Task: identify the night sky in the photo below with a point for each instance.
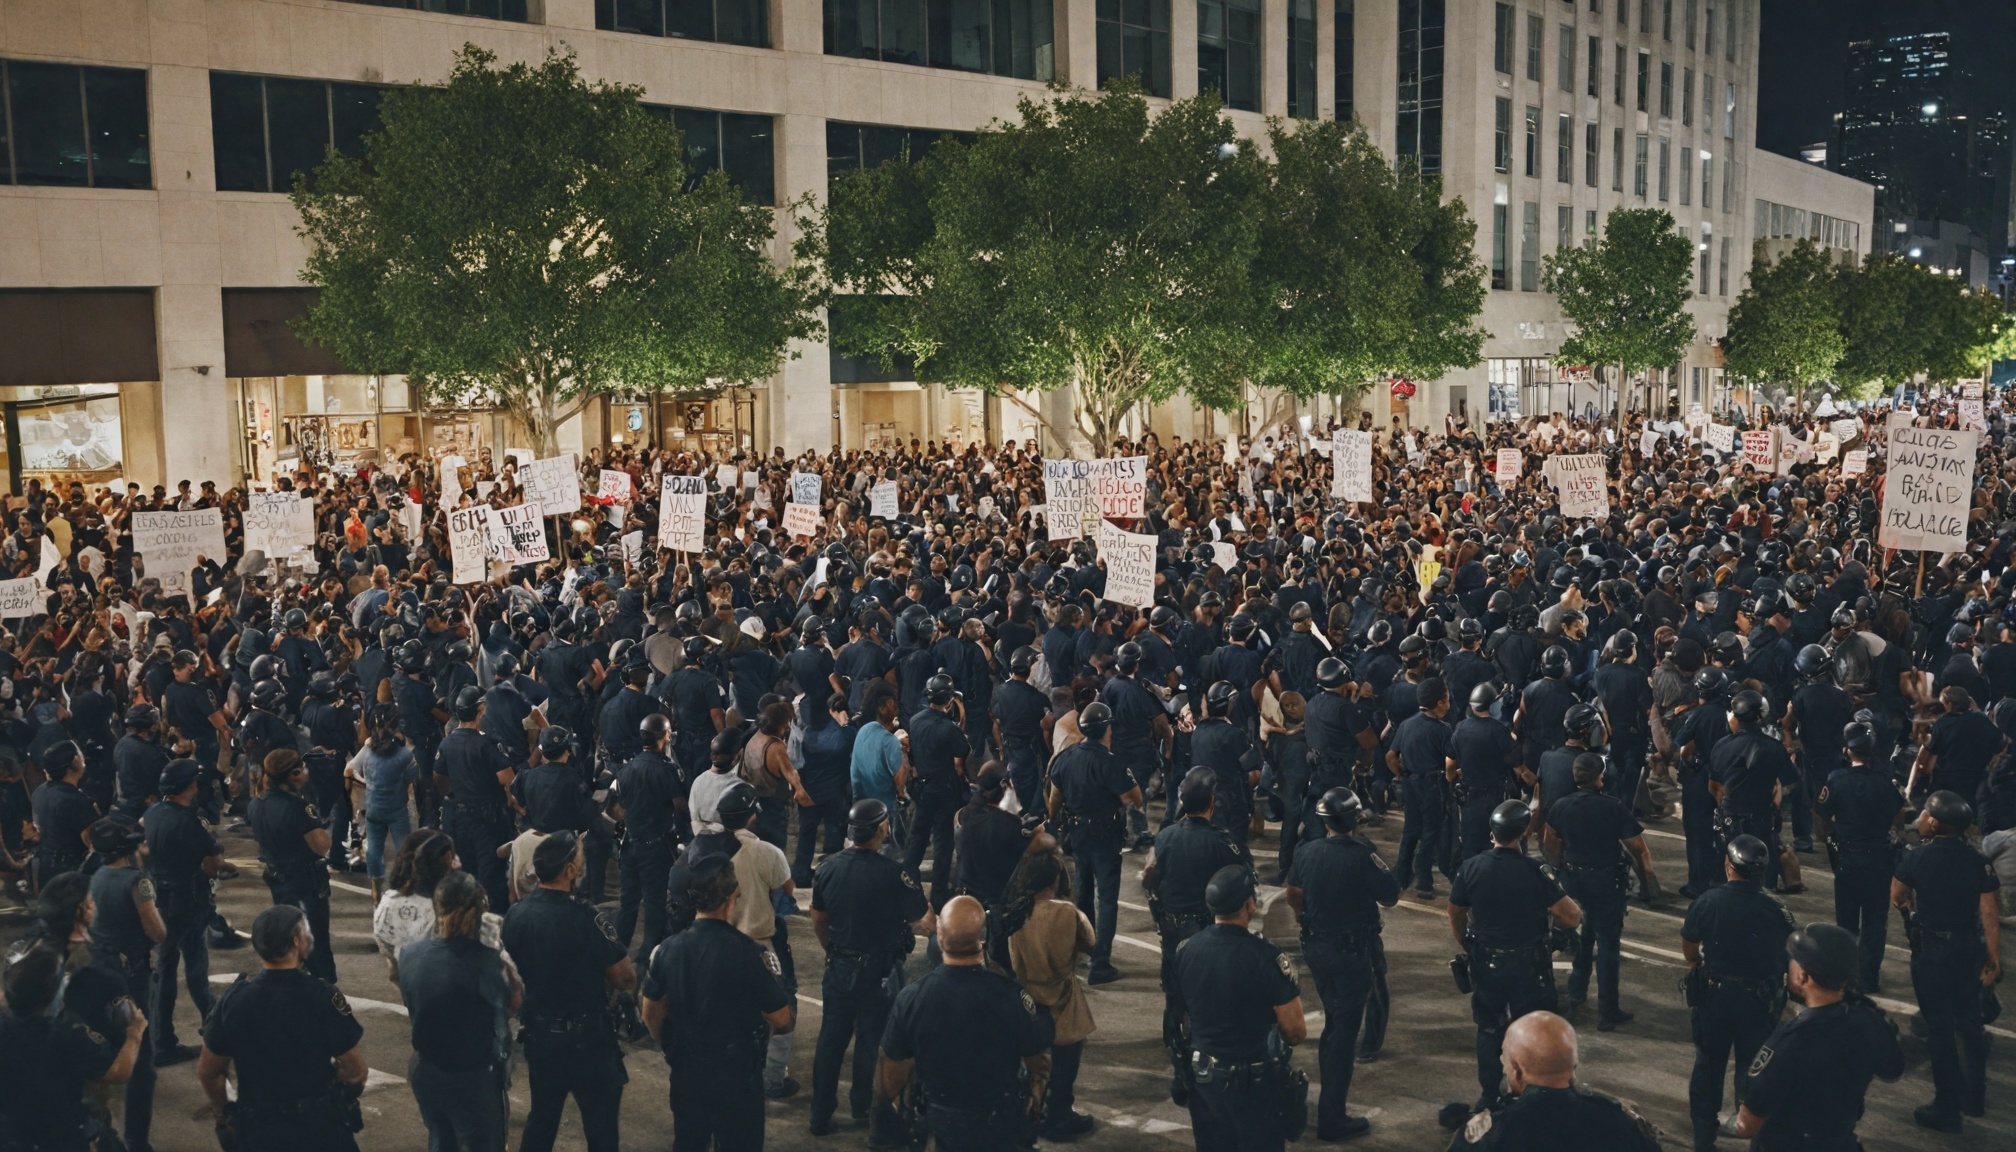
(1804, 45)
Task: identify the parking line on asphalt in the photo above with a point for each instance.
(1155, 948)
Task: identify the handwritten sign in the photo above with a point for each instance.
(1826, 446)
(1511, 462)
(682, 513)
(801, 519)
(1973, 412)
(1113, 486)
(1759, 449)
(615, 486)
(1130, 565)
(469, 547)
(451, 480)
(1225, 556)
(1928, 487)
(1582, 483)
(882, 500)
(1721, 438)
(278, 523)
(170, 542)
(1425, 573)
(633, 546)
(1855, 462)
(725, 475)
(1648, 443)
(554, 484)
(1351, 466)
(805, 488)
(23, 597)
(1846, 431)
(519, 534)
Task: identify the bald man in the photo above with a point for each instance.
(970, 1028)
(1548, 1110)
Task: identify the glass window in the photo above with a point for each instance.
(1302, 59)
(115, 111)
(1564, 64)
(1418, 125)
(959, 33)
(1729, 112)
(1501, 153)
(851, 29)
(1728, 184)
(353, 111)
(1228, 51)
(1564, 226)
(1666, 90)
(1024, 42)
(1529, 247)
(1134, 41)
(1707, 249)
(1502, 33)
(1686, 173)
(1346, 49)
(1689, 21)
(238, 132)
(46, 102)
(1722, 273)
(1729, 54)
(297, 127)
(266, 129)
(1687, 97)
(739, 143)
(1708, 99)
(903, 31)
(513, 10)
(1532, 140)
(850, 147)
(1617, 79)
(1500, 214)
(1617, 159)
(1644, 81)
(1644, 15)
(1638, 178)
(727, 21)
(1589, 224)
(1665, 169)
(1536, 30)
(1666, 19)
(1595, 87)
(1590, 147)
(1564, 148)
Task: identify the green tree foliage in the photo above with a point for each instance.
(521, 237)
(1360, 270)
(1900, 320)
(1786, 326)
(1082, 245)
(1627, 295)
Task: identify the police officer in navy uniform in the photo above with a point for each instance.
(182, 856)
(474, 776)
(1022, 721)
(190, 709)
(1229, 752)
(1589, 832)
(421, 716)
(1746, 773)
(1141, 733)
(1336, 888)
(1809, 1080)
(1547, 1110)
(1333, 750)
(1734, 941)
(262, 730)
(938, 751)
(294, 843)
(63, 814)
(1502, 910)
(712, 1000)
(619, 720)
(331, 722)
(1693, 742)
(699, 709)
(1185, 857)
(1486, 758)
(138, 759)
(866, 912)
(553, 794)
(646, 798)
(1947, 891)
(966, 1034)
(1816, 724)
(1421, 758)
(293, 1042)
(569, 958)
(124, 931)
(1857, 812)
(1239, 998)
(1089, 793)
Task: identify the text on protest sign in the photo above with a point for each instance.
(1928, 486)
(451, 480)
(1855, 463)
(23, 597)
(1112, 486)
(1130, 565)
(615, 486)
(469, 543)
(682, 513)
(170, 542)
(277, 523)
(520, 532)
(801, 519)
(805, 488)
(1583, 485)
(1721, 437)
(882, 500)
(1351, 466)
(1846, 430)
(1759, 449)
(554, 484)
(1511, 462)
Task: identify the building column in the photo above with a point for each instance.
(801, 395)
(564, 13)
(1077, 32)
(1326, 59)
(197, 425)
(1274, 57)
(1182, 49)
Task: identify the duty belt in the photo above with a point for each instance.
(1208, 1069)
(1173, 922)
(1345, 939)
(1760, 987)
(567, 1026)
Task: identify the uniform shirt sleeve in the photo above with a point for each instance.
(1699, 922)
(81, 1051)
(1281, 985)
(604, 946)
(1117, 779)
(1771, 1073)
(341, 1029)
(657, 975)
(1907, 867)
(765, 983)
(896, 1035)
(1459, 888)
(910, 900)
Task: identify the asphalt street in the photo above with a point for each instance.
(1427, 1060)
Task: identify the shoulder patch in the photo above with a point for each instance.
(95, 1038)
(909, 881)
(1380, 861)
(1473, 1132)
(143, 890)
(1028, 1005)
(310, 810)
(769, 962)
(1762, 1061)
(602, 923)
(1287, 965)
(337, 1001)
(1822, 798)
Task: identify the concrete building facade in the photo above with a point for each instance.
(149, 260)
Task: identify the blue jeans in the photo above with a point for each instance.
(376, 831)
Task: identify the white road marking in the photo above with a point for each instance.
(1125, 939)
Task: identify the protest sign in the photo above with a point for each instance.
(1225, 556)
(1791, 451)
(170, 542)
(615, 486)
(469, 543)
(23, 597)
(554, 484)
(1899, 418)
(1846, 431)
(1130, 565)
(987, 509)
(1760, 449)
(725, 475)
(1928, 487)
(805, 488)
(1425, 573)
(1115, 487)
(882, 500)
(801, 519)
(520, 534)
(1511, 462)
(278, 523)
(682, 513)
(1721, 437)
(484, 488)
(1826, 446)
(1351, 466)
(1855, 463)
(633, 546)
(412, 517)
(451, 480)
(1648, 443)
(1582, 482)
(1973, 412)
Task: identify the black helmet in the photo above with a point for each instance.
(694, 648)
(468, 702)
(1413, 649)
(1584, 722)
(1525, 616)
(1228, 889)
(1860, 739)
(1509, 820)
(654, 727)
(1843, 617)
(1339, 808)
(1022, 661)
(1128, 656)
(1469, 630)
(1827, 952)
(1433, 629)
(411, 656)
(865, 817)
(263, 668)
(1483, 696)
(1726, 647)
(295, 618)
(1218, 698)
(1951, 810)
(460, 651)
(1094, 720)
(1802, 587)
(1379, 632)
(1813, 663)
(251, 645)
(938, 689)
(1563, 578)
(1960, 634)
(1747, 856)
(811, 628)
(555, 741)
(1555, 663)
(268, 694)
(505, 666)
(1162, 617)
(1747, 708)
(1331, 673)
(142, 716)
(1242, 627)
(1500, 602)
(1710, 682)
(737, 804)
(322, 685)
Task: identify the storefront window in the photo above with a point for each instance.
(66, 433)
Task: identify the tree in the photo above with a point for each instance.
(1627, 295)
(1360, 270)
(1786, 326)
(1881, 344)
(1082, 246)
(521, 237)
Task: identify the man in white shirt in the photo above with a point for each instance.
(703, 800)
(761, 872)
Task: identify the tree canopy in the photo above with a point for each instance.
(519, 236)
(1900, 320)
(1785, 328)
(1625, 295)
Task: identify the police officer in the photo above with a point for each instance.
(262, 730)
(1022, 722)
(1815, 724)
(553, 795)
(63, 814)
(646, 798)
(1544, 705)
(866, 912)
(458, 993)
(572, 673)
(966, 1034)
(1589, 832)
(1089, 793)
(1947, 891)
(1486, 758)
(1238, 995)
(938, 751)
(1734, 941)
(474, 776)
(1547, 1109)
(294, 843)
(1141, 733)
(1746, 774)
(1229, 752)
(699, 710)
(190, 710)
(1333, 749)
(1857, 813)
(294, 1044)
(1502, 909)
(124, 930)
(1809, 1080)
(712, 1000)
(182, 857)
(138, 759)
(618, 724)
(568, 957)
(1185, 857)
(421, 716)
(1336, 888)
(331, 721)
(1700, 729)
(1421, 758)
